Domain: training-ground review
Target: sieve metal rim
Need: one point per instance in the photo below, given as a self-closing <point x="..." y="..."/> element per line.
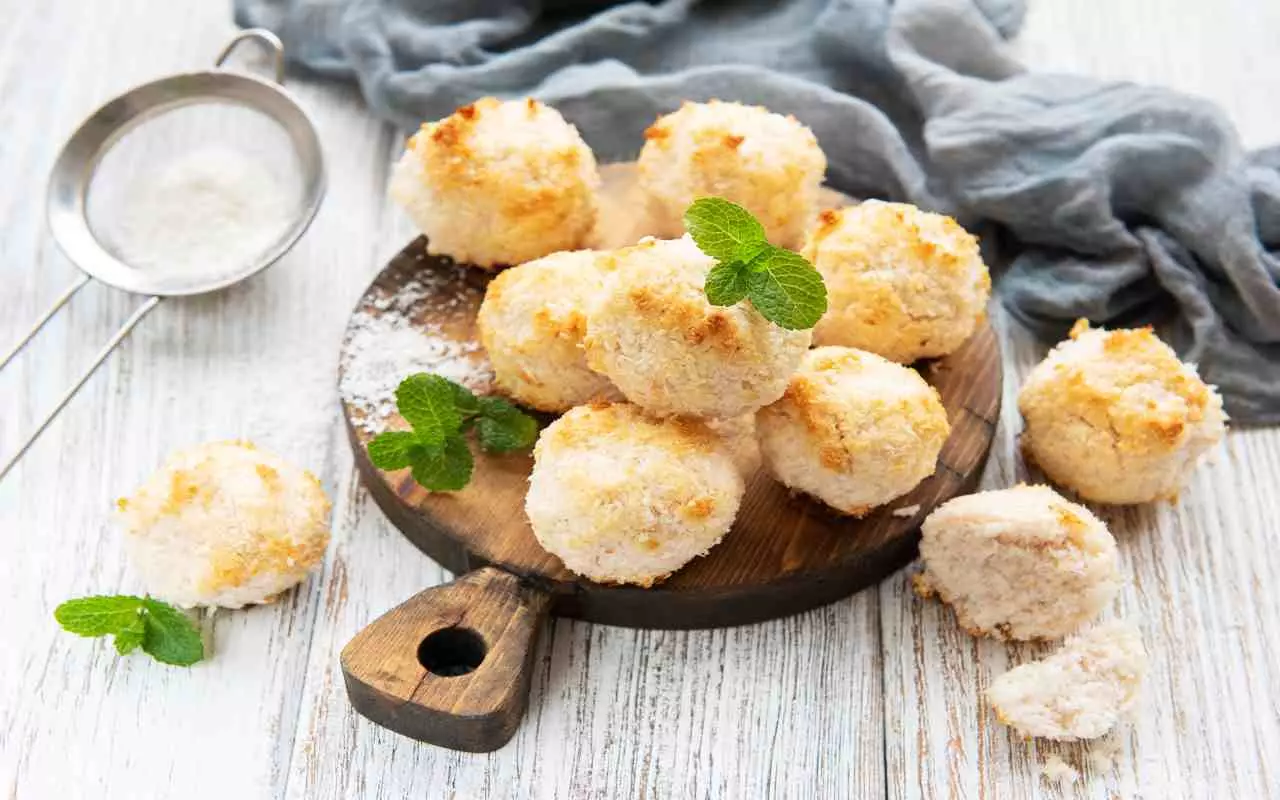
<point x="67" y="196"/>
<point x="66" y="206"/>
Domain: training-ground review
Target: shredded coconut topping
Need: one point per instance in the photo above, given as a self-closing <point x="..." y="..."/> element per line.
<point x="215" y="209"/>
<point x="397" y="333"/>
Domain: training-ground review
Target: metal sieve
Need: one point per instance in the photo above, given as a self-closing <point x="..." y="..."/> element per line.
<point x="71" y="190"/>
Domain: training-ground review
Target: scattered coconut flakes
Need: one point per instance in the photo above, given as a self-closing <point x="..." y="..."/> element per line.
<point x="211" y="211"/>
<point x="906" y="511"/>
<point x="1104" y="753"/>
<point x="1058" y="771"/>
<point x="397" y="334"/>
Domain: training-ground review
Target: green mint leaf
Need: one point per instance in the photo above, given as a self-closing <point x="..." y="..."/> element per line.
<point x="131" y="637"/>
<point x="723" y="230"/>
<point x="441" y="411"/>
<point x="786" y="289"/>
<point x="171" y="638"/>
<point x="445" y="467"/>
<point x="161" y="630"/>
<point x="99" y="615"/>
<point x="390" y="450"/>
<point x="468" y="404"/>
<point x="726" y="283"/>
<point x="429" y="404"/>
<point x="502" y="427"/>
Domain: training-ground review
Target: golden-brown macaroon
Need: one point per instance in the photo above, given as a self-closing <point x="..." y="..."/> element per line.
<point x="531" y="323"/>
<point x="655" y="335"/>
<point x="739" y="437"/>
<point x="622" y="497"/>
<point x="1020" y="563"/>
<point x="767" y="163"/>
<point x="902" y="283"/>
<point x="497" y="183"/>
<point x="1080" y="692"/>
<point x="1115" y="417"/>
<point x="853" y="429"/>
<point x="225" y="524"/>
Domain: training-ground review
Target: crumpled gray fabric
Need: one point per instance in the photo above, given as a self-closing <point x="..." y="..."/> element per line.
<point x="1122" y="203"/>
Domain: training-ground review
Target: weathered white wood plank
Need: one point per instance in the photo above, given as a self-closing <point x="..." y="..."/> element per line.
<point x="75" y="721"/>
<point x="1196" y="577"/>
<point x="1198" y="570"/>
<point x="878" y="691"/>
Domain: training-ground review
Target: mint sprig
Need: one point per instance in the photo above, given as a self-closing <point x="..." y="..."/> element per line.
<point x="162" y="631"/>
<point x="440" y="413"/>
<point x="781" y="285"/>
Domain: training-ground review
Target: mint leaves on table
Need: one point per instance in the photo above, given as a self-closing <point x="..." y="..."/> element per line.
<point x="781" y="285"/>
<point x="440" y="413"/>
<point x="162" y="631"/>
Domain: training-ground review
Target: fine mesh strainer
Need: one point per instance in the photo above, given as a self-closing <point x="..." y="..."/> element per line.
<point x="226" y="121"/>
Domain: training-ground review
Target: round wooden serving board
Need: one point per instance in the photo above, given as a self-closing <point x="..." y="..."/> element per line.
<point x="784" y="554"/>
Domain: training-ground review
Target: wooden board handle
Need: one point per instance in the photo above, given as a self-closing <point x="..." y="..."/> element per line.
<point x="451" y="665"/>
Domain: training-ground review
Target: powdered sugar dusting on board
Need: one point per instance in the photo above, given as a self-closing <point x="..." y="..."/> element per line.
<point x="396" y="333"/>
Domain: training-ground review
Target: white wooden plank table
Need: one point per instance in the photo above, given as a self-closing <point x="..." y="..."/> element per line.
<point x="874" y="696"/>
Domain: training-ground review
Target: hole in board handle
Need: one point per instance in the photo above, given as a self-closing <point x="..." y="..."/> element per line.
<point x="450" y="652"/>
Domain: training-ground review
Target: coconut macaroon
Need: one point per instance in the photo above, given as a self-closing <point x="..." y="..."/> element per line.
<point x="738" y="434"/>
<point x="853" y="429"/>
<point x="499" y="183"/>
<point x="767" y="163"/>
<point x="1080" y="692"/>
<point x="225" y="524"/>
<point x="655" y="335"/>
<point x="1116" y="417"/>
<point x="1021" y="563"/>
<point x="531" y="323"/>
<point x="902" y="283"/>
<point x="623" y="498"/>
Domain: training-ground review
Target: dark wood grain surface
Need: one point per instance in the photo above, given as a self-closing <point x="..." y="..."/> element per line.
<point x="450" y="665"/>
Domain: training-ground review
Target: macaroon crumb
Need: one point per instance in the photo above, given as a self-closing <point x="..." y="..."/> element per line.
<point x="1059" y="772"/>
<point x="1080" y="692"/>
<point x="1104" y="754"/>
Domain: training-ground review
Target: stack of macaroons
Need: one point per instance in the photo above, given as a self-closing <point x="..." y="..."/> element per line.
<point x="628" y="492"/>
<point x="627" y="343"/>
<point x="573" y="330"/>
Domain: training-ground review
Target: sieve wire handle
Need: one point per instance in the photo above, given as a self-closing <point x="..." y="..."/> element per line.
<point x="264" y="36"/>
<point x="111" y="344"/>
<point x="44" y="318"/>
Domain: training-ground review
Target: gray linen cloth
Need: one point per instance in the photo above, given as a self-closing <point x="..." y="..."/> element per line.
<point x="1121" y="203"/>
